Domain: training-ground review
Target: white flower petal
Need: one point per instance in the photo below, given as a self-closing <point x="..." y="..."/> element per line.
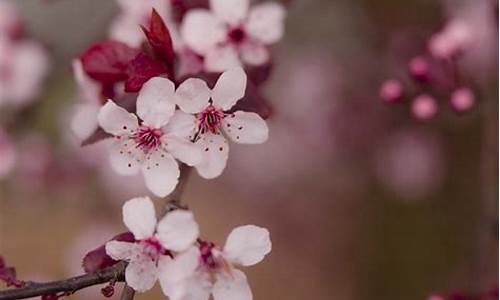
<point x="247" y="245"/>
<point x="161" y="173"/>
<point x="184" y="150"/>
<point x="231" y="11"/>
<point x="230" y="88"/>
<point x="116" y="120"/>
<point x="214" y="151"/>
<point x="254" y="54"/>
<point x="155" y="103"/>
<point x="176" y="273"/>
<point x="125" y="158"/>
<point x="265" y="22"/>
<point x="181" y="125"/>
<point x="141" y="274"/>
<point x="192" y="95"/>
<point x="246" y="128"/>
<point x="140" y="218"/>
<point x="178" y="230"/>
<point x="221" y="58"/>
<point x="121" y="250"/>
<point x="232" y="286"/>
<point x="84" y="121"/>
<point x="201" y="30"/>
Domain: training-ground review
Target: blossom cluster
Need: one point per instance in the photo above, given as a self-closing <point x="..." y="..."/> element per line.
<point x="173" y="85"/>
<point x="437" y="74"/>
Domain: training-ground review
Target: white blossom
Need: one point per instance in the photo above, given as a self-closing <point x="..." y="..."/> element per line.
<point x="211" y="117"/>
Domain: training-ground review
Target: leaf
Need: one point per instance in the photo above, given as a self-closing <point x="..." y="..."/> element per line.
<point x="142" y="68"/>
<point x="159" y="39"/>
<point x="107" y="61"/>
<point x="97" y="259"/>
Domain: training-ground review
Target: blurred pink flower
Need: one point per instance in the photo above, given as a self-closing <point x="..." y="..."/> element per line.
<point x="462" y="99"/>
<point x="391" y="90"/>
<point x="410" y="163"/>
<point x="23" y="66"/>
<point x="451" y="40"/>
<point x="418" y="68"/>
<point x="424" y="107"/>
<point x="7" y="154"/>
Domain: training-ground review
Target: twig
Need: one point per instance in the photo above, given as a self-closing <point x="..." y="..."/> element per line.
<point x="114" y="273"/>
<point x="33" y="289"/>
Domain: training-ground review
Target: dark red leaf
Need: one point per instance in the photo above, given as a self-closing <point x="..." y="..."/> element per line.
<point x="141" y="69"/>
<point x="159" y="39"/>
<point x="97" y="259"/>
<point x="107" y="61"/>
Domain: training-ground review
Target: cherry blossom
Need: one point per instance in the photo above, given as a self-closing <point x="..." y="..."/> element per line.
<point x="231" y="33"/>
<point x="152" y="144"/>
<point x="211" y="117"/>
<point x="189" y="275"/>
<point x="155" y="241"/>
<point x="23" y="66"/>
<point x="84" y="121"/>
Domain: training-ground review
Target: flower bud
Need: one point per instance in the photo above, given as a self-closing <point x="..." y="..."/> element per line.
<point x="424" y="107"/>
<point x="462" y="99"/>
<point x="418" y="67"/>
<point x="391" y="91"/>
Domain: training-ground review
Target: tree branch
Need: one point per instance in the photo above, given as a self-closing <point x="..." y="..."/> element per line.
<point x="71" y="285"/>
<point x="113" y="273"/>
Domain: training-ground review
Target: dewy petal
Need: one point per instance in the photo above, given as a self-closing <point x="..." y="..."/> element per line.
<point x="201" y="30"/>
<point x="125" y="158"/>
<point x="230" y="88"/>
<point x="180" y="125"/>
<point x="254" y="54"/>
<point x="245" y="128"/>
<point x="221" y="58"/>
<point x="141" y="274"/>
<point x="161" y="173"/>
<point x="265" y="22"/>
<point x="155" y="103"/>
<point x="232" y="286"/>
<point x="247" y="245"/>
<point x="184" y="150"/>
<point x="139" y="217"/>
<point x="121" y="250"/>
<point x="214" y="151"/>
<point x="178" y="230"/>
<point x="232" y="11"/>
<point x="116" y="120"/>
<point x="192" y="95"/>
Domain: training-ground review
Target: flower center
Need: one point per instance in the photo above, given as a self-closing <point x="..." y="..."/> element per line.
<point x="208" y="259"/>
<point x="209" y="120"/>
<point x="236" y="35"/>
<point x="152" y="248"/>
<point x="147" y="139"/>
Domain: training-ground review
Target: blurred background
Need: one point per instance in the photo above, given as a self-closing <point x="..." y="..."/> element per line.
<point x="363" y="199"/>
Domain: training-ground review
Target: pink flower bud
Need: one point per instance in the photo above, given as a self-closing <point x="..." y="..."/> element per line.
<point x="419" y="68"/>
<point x="462" y="99"/>
<point x="424" y="107"/>
<point x="391" y="91"/>
<point x="435" y="297"/>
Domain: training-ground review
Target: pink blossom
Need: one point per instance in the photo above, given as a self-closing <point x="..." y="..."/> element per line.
<point x="231" y="33"/>
<point x="451" y="40"/>
<point x="391" y="90"/>
<point x="150" y="146"/>
<point x="208" y="113"/>
<point x="175" y="232"/>
<point x="189" y="275"/>
<point x="419" y="68"/>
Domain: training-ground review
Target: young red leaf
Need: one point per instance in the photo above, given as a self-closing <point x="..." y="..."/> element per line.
<point x="141" y="69"/>
<point x="159" y="39"/>
<point x="107" y="61"/>
<point x="97" y="259"/>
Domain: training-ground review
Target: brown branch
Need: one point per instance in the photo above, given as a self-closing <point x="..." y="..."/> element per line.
<point x="114" y="273"/>
<point x="71" y="285"/>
